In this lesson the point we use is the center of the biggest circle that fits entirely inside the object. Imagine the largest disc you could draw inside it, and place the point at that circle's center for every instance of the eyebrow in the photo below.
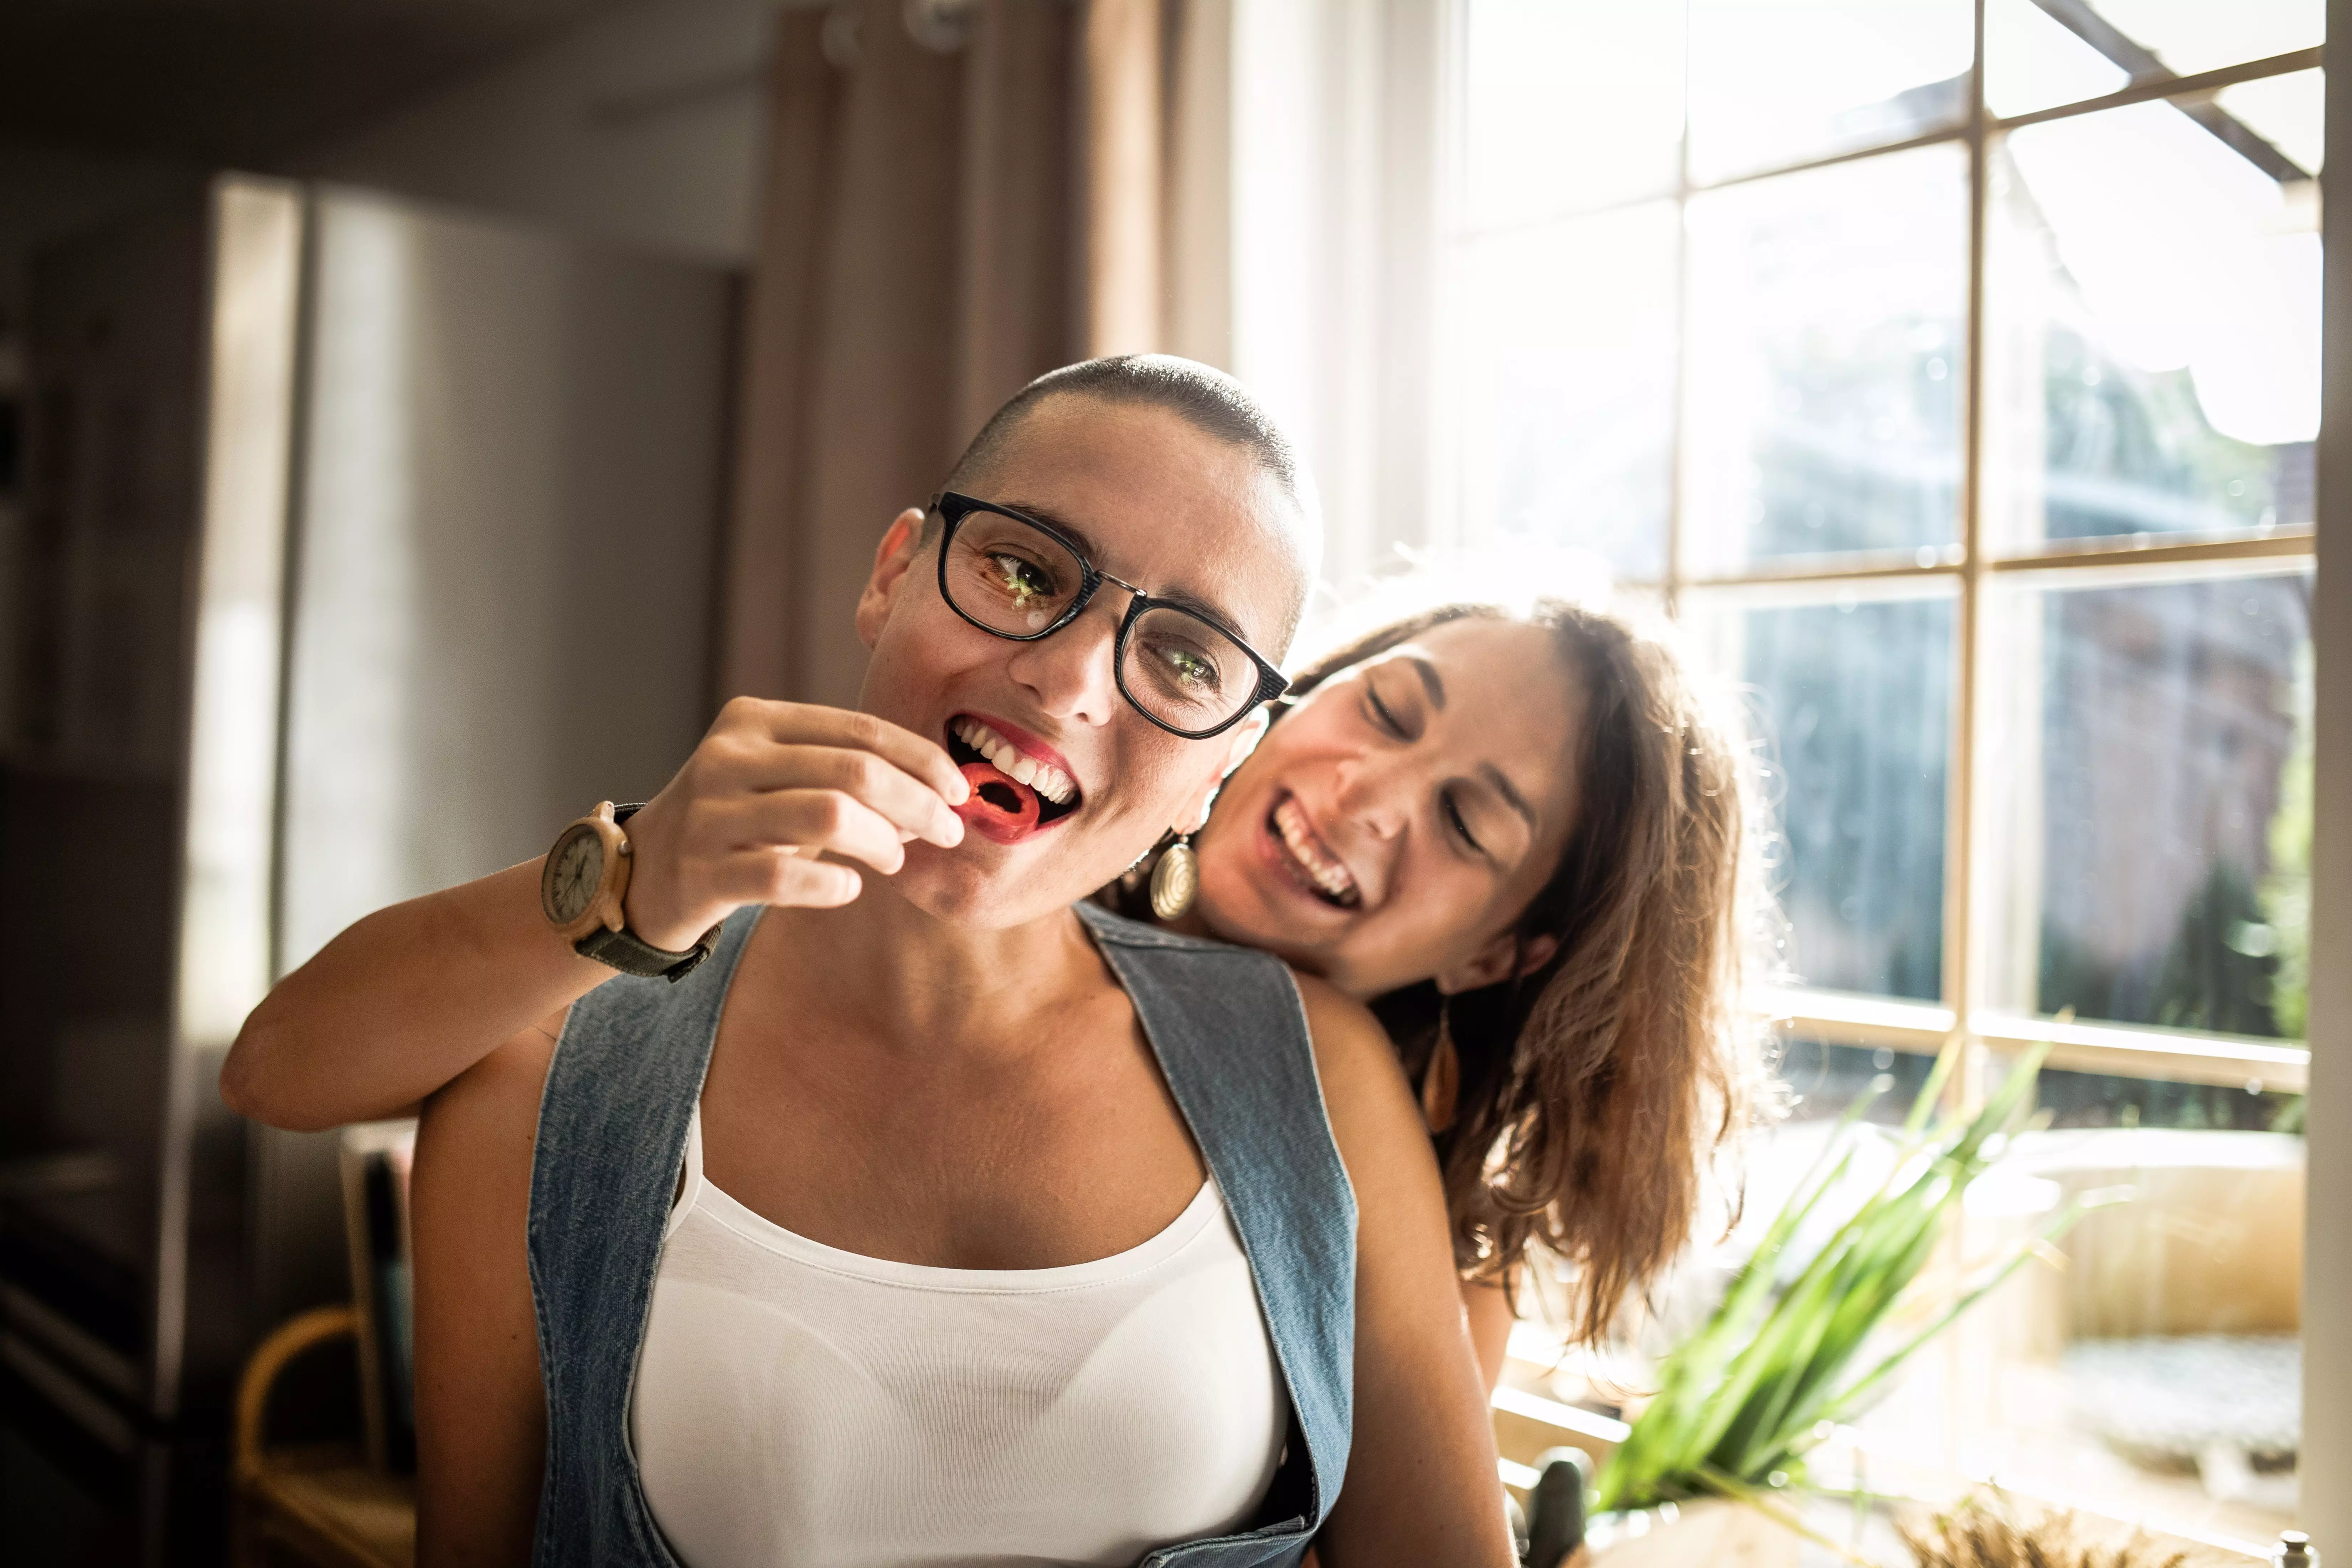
(1509, 792)
(1183, 599)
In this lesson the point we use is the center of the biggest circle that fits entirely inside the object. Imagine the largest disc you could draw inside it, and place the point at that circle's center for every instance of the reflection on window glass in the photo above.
(1851, 703)
(1569, 104)
(2032, 60)
(2167, 730)
(2153, 342)
(2039, 55)
(1825, 400)
(2159, 1372)
(1822, 1082)
(1566, 365)
(1771, 85)
(2191, 36)
(2151, 1367)
(2106, 1100)
(2288, 111)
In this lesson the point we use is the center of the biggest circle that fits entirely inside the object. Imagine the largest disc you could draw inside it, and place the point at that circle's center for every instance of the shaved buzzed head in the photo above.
(1205, 398)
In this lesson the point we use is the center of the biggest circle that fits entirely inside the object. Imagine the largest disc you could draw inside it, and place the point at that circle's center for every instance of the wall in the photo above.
(45, 192)
(643, 127)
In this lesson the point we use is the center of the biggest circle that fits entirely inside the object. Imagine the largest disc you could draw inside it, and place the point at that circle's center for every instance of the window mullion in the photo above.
(1675, 448)
(1959, 965)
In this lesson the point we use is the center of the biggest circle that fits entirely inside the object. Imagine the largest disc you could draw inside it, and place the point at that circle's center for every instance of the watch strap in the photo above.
(631, 954)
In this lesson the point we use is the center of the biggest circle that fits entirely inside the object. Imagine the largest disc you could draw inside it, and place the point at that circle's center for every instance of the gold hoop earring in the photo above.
(1441, 1084)
(1176, 879)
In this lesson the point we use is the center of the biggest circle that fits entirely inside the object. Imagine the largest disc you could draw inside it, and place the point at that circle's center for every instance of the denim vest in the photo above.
(1231, 1036)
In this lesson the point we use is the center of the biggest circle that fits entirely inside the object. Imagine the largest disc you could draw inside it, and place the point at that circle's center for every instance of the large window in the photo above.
(1949, 368)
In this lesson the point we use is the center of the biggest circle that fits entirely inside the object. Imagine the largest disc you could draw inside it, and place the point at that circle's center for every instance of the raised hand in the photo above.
(772, 787)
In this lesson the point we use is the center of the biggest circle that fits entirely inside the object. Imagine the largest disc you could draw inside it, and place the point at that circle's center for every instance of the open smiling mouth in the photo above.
(1013, 795)
(1308, 858)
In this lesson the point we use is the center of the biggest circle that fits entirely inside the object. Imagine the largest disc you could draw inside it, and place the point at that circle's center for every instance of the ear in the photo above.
(892, 559)
(1243, 739)
(1491, 965)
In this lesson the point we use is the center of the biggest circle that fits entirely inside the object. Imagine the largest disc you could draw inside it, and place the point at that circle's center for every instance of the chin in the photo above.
(979, 885)
(1238, 910)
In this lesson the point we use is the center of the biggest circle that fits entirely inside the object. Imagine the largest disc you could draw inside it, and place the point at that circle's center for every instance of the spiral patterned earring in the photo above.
(1440, 1085)
(1175, 879)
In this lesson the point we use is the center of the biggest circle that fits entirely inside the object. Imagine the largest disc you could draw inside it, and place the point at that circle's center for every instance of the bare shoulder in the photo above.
(492, 1108)
(480, 1410)
(1374, 1115)
(475, 1143)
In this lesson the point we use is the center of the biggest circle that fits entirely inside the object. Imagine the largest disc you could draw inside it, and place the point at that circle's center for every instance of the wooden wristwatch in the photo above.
(580, 889)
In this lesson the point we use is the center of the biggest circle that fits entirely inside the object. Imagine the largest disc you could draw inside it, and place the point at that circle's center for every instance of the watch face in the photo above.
(573, 869)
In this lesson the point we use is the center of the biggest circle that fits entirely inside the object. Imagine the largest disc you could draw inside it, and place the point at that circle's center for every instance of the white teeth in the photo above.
(1044, 777)
(1329, 874)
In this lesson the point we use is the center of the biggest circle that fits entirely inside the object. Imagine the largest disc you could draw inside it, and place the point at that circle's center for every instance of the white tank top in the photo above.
(799, 1406)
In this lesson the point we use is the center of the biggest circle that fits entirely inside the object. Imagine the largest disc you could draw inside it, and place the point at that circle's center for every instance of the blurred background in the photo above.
(391, 388)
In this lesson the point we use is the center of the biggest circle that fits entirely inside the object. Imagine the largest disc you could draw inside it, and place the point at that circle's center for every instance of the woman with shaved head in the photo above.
(895, 1206)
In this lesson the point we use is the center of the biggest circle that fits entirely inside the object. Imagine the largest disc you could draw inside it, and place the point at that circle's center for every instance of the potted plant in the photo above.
(1795, 1347)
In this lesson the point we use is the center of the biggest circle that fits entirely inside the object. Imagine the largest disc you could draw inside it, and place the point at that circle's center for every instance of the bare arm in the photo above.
(1420, 1488)
(1487, 1309)
(412, 996)
(403, 1002)
(482, 1411)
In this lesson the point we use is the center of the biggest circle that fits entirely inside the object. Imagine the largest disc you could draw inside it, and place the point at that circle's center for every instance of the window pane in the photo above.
(2155, 1373)
(2147, 771)
(2288, 111)
(1569, 104)
(1567, 411)
(2192, 36)
(2032, 60)
(1851, 702)
(2152, 341)
(1771, 85)
(1825, 400)
(2109, 1099)
(2038, 56)
(1822, 1081)
(2159, 1373)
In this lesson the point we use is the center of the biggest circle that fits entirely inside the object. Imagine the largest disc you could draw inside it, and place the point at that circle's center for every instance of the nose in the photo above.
(1375, 791)
(1072, 673)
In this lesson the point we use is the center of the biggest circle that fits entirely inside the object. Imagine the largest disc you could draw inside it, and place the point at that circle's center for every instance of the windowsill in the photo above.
(1542, 1404)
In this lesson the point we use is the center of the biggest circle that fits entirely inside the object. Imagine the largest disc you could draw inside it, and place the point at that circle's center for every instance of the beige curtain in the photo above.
(944, 220)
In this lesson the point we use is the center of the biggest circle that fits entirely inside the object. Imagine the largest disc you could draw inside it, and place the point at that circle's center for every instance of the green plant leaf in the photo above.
(1743, 1396)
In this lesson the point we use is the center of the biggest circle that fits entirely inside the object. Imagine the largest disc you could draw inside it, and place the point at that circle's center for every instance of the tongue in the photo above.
(1000, 807)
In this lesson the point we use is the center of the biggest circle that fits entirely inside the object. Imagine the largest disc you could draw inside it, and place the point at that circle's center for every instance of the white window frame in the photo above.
(2320, 1067)
(1967, 573)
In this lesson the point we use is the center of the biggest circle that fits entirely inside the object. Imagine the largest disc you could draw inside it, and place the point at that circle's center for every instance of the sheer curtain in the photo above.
(1338, 193)
(958, 198)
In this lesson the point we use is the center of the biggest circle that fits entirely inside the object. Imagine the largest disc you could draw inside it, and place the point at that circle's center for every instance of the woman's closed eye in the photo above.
(1449, 805)
(1407, 725)
(1385, 719)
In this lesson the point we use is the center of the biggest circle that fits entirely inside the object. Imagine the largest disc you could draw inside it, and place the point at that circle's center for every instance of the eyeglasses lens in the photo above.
(1184, 672)
(1010, 576)
(1015, 578)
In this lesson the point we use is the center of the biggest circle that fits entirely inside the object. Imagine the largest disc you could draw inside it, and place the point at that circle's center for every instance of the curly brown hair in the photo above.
(1595, 1088)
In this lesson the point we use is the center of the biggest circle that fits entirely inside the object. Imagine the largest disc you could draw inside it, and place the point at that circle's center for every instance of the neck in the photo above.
(906, 979)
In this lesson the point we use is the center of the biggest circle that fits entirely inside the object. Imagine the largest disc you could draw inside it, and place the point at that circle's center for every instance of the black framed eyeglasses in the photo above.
(1022, 578)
